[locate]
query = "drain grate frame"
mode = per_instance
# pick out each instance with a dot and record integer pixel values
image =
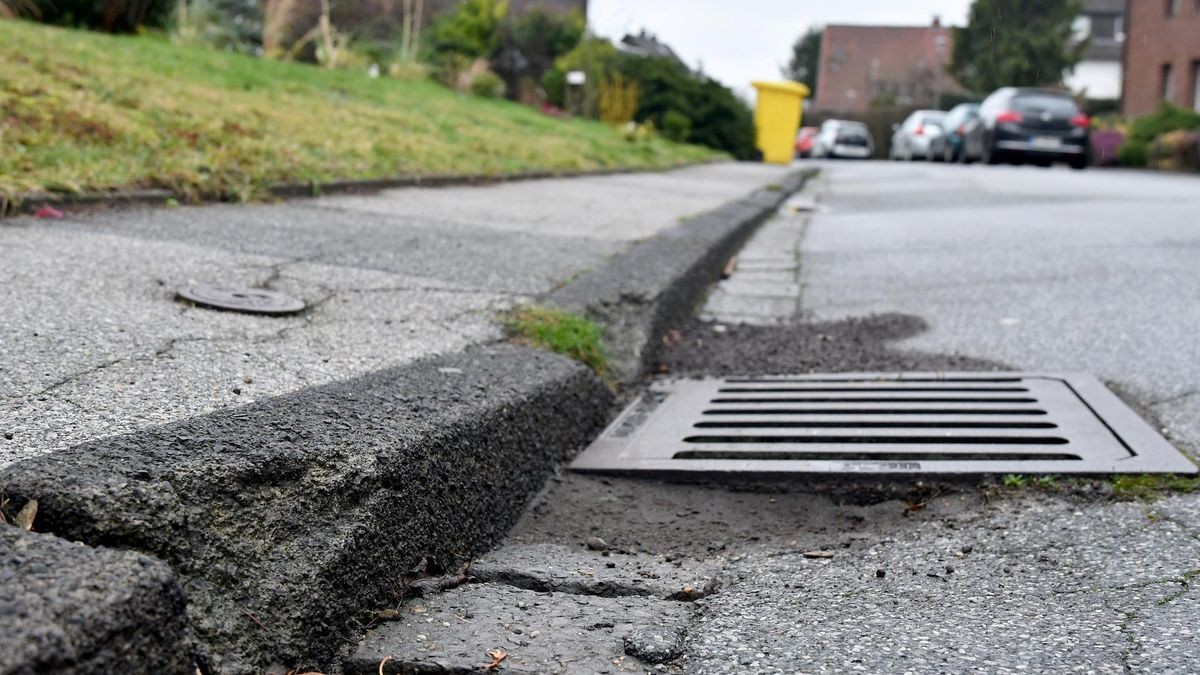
(881, 423)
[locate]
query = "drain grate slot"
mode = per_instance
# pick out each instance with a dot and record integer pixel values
(876, 399)
(822, 424)
(792, 455)
(886, 423)
(884, 440)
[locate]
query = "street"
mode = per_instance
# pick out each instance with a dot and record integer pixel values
(902, 267)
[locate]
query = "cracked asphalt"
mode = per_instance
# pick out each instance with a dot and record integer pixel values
(94, 343)
(925, 267)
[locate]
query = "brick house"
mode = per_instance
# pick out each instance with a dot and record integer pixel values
(888, 65)
(1162, 54)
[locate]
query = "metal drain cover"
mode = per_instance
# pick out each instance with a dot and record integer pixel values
(947, 423)
(241, 299)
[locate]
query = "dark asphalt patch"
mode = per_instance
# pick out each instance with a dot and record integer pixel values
(698, 348)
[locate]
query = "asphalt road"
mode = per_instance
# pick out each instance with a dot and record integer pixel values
(1040, 269)
(1034, 269)
(94, 343)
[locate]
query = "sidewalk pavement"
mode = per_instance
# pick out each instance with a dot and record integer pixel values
(95, 344)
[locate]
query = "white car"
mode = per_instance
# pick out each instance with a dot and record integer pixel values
(843, 139)
(911, 140)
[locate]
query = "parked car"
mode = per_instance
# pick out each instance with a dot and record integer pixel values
(947, 146)
(911, 139)
(1020, 125)
(804, 141)
(843, 139)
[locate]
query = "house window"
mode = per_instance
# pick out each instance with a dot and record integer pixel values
(1168, 82)
(1196, 86)
(1172, 7)
(1119, 26)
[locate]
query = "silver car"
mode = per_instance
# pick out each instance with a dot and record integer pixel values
(843, 139)
(911, 140)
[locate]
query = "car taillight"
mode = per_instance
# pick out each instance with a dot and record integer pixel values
(919, 131)
(1082, 121)
(1009, 117)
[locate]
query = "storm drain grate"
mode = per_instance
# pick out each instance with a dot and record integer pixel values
(959, 423)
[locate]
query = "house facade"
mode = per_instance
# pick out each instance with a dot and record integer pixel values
(1162, 55)
(1099, 73)
(879, 66)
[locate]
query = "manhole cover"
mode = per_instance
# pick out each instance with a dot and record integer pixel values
(237, 299)
(959, 423)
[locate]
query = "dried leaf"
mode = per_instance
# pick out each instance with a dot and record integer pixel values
(730, 267)
(25, 516)
(498, 656)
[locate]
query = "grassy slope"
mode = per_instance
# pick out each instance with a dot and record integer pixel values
(82, 111)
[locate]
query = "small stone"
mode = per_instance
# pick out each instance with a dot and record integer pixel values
(596, 544)
(8, 436)
(247, 380)
(655, 644)
(237, 391)
(949, 569)
(879, 574)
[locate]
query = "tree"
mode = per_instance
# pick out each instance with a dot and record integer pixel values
(805, 64)
(1020, 43)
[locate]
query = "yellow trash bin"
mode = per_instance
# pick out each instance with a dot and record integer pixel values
(777, 119)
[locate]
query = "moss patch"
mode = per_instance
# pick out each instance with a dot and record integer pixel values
(1152, 486)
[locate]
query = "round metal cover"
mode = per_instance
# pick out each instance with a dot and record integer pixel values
(241, 299)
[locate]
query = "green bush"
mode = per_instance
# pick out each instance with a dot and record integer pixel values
(719, 119)
(596, 58)
(488, 85)
(676, 125)
(1132, 153)
(471, 31)
(1166, 119)
(114, 16)
(530, 43)
(1175, 151)
(1146, 129)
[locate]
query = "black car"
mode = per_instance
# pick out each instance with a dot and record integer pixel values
(1038, 126)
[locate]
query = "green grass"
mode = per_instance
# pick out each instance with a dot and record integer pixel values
(83, 111)
(1151, 486)
(560, 332)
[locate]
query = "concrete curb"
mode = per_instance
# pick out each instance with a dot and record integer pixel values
(288, 521)
(30, 202)
(78, 609)
(657, 283)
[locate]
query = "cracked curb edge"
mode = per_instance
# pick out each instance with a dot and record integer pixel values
(287, 521)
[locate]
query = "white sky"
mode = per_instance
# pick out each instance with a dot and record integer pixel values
(737, 41)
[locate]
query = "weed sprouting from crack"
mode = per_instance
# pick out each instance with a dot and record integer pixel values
(560, 332)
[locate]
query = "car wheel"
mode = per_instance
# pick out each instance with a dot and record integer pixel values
(990, 156)
(1079, 163)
